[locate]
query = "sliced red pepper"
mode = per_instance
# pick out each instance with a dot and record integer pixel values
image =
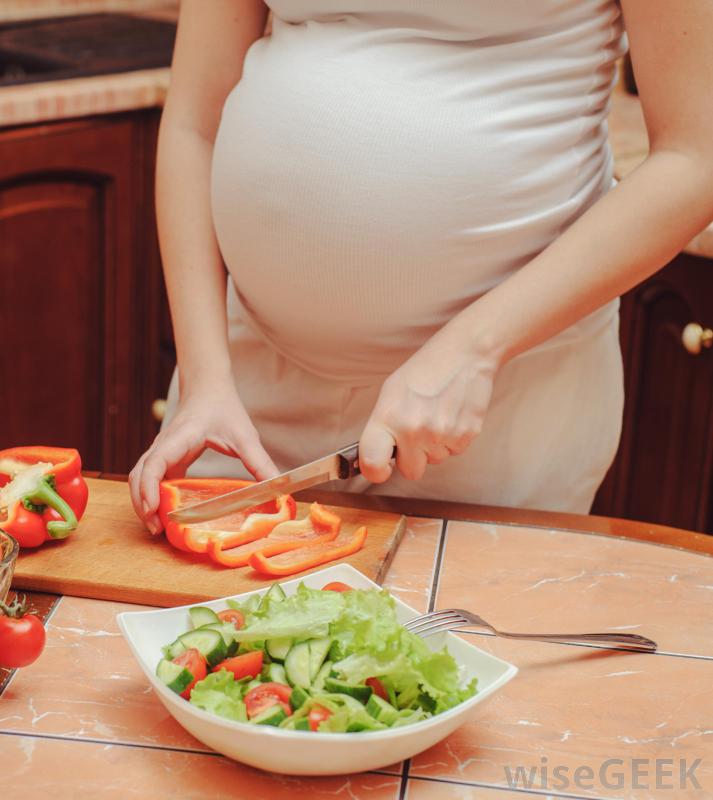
(316, 715)
(242, 526)
(319, 526)
(298, 560)
(43, 493)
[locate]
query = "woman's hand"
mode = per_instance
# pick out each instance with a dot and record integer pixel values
(431, 407)
(214, 418)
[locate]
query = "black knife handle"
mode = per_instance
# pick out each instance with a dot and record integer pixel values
(349, 460)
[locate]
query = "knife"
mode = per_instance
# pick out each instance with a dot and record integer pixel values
(336, 466)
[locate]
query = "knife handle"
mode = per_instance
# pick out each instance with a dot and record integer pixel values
(349, 460)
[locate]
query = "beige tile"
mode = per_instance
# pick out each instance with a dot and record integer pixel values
(410, 575)
(530, 579)
(86, 683)
(36, 768)
(575, 706)
(438, 790)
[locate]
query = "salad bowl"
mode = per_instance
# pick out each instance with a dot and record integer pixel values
(295, 752)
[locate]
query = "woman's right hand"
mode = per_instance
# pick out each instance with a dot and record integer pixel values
(207, 418)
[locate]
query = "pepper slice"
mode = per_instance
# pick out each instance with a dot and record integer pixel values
(319, 526)
(237, 528)
(298, 560)
(43, 494)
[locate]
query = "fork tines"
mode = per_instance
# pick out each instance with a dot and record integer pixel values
(436, 621)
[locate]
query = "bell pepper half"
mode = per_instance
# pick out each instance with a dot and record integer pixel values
(234, 529)
(314, 555)
(43, 494)
(320, 525)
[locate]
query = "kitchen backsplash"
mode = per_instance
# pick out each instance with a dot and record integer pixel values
(13, 10)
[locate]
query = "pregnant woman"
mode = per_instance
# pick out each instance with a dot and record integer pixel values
(414, 202)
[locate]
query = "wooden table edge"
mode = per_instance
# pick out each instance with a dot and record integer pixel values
(500, 515)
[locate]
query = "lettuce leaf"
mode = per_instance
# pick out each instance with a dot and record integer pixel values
(219, 693)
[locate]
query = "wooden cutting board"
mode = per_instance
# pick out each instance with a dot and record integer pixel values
(111, 556)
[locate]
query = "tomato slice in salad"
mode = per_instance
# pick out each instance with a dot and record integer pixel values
(266, 695)
(194, 662)
(316, 715)
(378, 688)
(337, 586)
(232, 615)
(242, 666)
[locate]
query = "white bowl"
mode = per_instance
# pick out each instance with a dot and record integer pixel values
(304, 752)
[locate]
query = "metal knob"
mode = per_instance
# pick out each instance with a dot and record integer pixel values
(695, 337)
(158, 409)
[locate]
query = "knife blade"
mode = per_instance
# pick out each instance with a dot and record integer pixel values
(340, 465)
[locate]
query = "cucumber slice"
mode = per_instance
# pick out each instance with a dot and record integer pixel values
(322, 675)
(381, 710)
(302, 724)
(276, 672)
(209, 643)
(318, 649)
(270, 716)
(275, 593)
(174, 649)
(358, 691)
(202, 615)
(226, 630)
(297, 665)
(298, 698)
(278, 648)
(175, 676)
(253, 683)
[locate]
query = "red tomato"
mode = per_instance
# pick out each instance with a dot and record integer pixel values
(22, 639)
(337, 586)
(268, 694)
(232, 615)
(194, 662)
(242, 666)
(316, 715)
(378, 688)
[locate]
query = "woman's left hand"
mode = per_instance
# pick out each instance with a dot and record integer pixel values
(431, 407)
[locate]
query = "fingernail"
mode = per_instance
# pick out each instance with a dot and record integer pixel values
(153, 530)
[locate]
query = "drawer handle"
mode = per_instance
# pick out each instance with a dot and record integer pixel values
(695, 337)
(158, 409)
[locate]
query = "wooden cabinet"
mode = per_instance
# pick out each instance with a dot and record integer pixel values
(80, 287)
(663, 471)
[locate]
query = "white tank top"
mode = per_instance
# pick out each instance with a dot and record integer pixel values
(382, 163)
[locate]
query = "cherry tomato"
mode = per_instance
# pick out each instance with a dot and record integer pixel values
(378, 688)
(316, 715)
(22, 636)
(268, 694)
(337, 586)
(232, 615)
(194, 662)
(242, 666)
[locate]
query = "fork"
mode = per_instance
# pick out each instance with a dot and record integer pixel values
(448, 618)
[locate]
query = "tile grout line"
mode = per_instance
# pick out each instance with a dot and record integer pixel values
(500, 788)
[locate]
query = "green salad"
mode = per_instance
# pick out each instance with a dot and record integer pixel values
(319, 660)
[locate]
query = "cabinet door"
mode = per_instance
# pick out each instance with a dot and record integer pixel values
(70, 205)
(662, 472)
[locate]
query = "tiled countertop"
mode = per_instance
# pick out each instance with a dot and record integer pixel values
(83, 720)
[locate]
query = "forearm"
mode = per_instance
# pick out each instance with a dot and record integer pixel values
(193, 268)
(626, 236)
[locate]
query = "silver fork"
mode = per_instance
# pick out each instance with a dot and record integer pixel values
(448, 618)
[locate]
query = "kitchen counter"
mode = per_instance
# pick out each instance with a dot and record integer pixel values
(83, 719)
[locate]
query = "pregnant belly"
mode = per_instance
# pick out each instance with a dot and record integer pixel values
(357, 212)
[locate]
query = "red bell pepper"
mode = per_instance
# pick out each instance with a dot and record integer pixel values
(307, 557)
(43, 494)
(232, 530)
(321, 525)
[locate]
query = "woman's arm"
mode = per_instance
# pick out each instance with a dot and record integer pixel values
(211, 43)
(626, 236)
